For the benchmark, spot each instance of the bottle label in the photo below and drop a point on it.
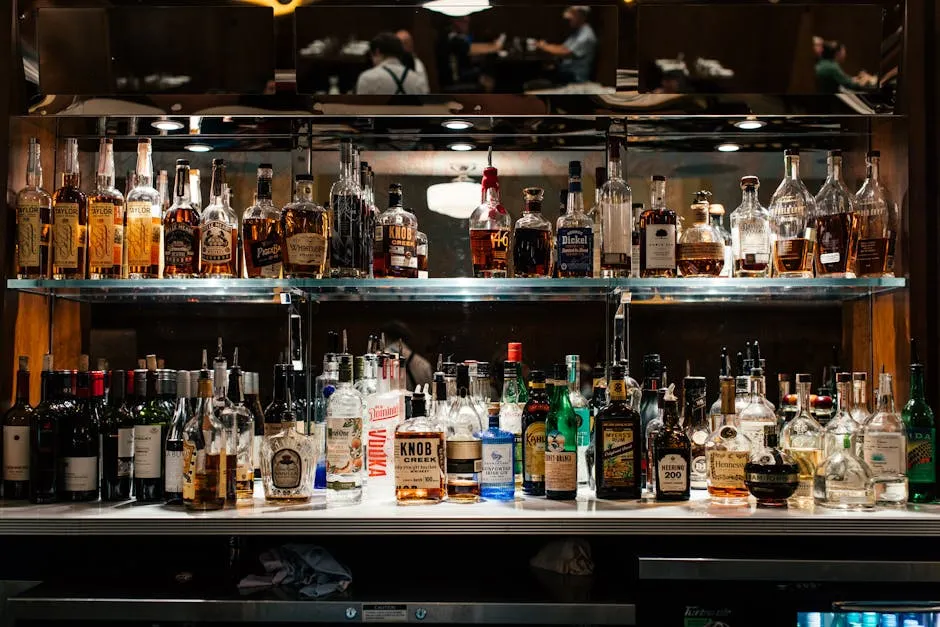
(29, 234)
(701, 250)
(699, 469)
(561, 471)
(884, 453)
(584, 426)
(286, 469)
(400, 248)
(180, 246)
(672, 471)
(921, 454)
(618, 390)
(15, 453)
(576, 250)
(464, 456)
(873, 255)
(419, 463)
(534, 454)
(81, 474)
(68, 235)
(216, 242)
(343, 446)
(101, 235)
(148, 451)
(826, 258)
(618, 454)
(174, 472)
(726, 468)
(383, 420)
(189, 470)
(635, 260)
(125, 452)
(497, 464)
(661, 246)
(138, 236)
(306, 249)
(266, 253)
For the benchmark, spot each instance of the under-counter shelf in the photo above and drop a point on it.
(652, 291)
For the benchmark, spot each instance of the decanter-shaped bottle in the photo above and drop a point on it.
(532, 238)
(701, 250)
(802, 439)
(842, 424)
(843, 481)
(792, 211)
(727, 451)
(490, 224)
(836, 224)
(756, 419)
(750, 233)
(877, 224)
(772, 476)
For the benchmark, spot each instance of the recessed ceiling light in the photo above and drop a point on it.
(728, 148)
(461, 146)
(749, 125)
(166, 124)
(457, 125)
(198, 147)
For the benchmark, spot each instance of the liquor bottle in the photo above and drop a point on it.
(698, 428)
(921, 437)
(786, 410)
(203, 450)
(181, 238)
(575, 233)
(347, 221)
(510, 416)
(33, 220)
(441, 402)
(69, 220)
(106, 220)
(490, 225)
(218, 229)
(771, 475)
(117, 442)
(44, 437)
(280, 404)
(561, 441)
(344, 451)
(582, 410)
(395, 242)
(750, 233)
(597, 402)
(497, 476)
(673, 462)
(884, 446)
(792, 221)
(724, 370)
(79, 447)
(253, 403)
(261, 230)
(305, 232)
(842, 424)
(803, 439)
(600, 179)
(514, 353)
(385, 411)
(16, 424)
(638, 209)
(716, 214)
(727, 451)
(652, 382)
(142, 202)
(653, 427)
(756, 417)
(701, 249)
(534, 415)
(173, 459)
(150, 432)
(617, 472)
(843, 481)
(370, 212)
(195, 190)
(221, 410)
(288, 459)
(463, 449)
(617, 222)
(877, 224)
(658, 234)
(836, 224)
(532, 239)
(421, 251)
(239, 415)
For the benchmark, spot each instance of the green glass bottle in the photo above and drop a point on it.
(561, 441)
(921, 437)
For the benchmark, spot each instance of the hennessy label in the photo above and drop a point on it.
(67, 234)
(29, 234)
(216, 242)
(101, 234)
(726, 468)
(138, 236)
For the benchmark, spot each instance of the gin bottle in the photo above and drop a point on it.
(143, 201)
(33, 221)
(750, 233)
(836, 224)
(792, 214)
(615, 200)
(497, 475)
(884, 446)
(877, 224)
(921, 437)
(658, 234)
(344, 452)
(490, 225)
(218, 231)
(803, 439)
(510, 416)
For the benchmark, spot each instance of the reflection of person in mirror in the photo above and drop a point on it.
(393, 72)
(408, 43)
(578, 51)
(459, 57)
(418, 370)
(830, 77)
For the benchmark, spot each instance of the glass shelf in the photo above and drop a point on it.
(637, 291)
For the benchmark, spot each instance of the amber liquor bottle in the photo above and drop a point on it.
(143, 202)
(489, 231)
(305, 232)
(532, 239)
(395, 244)
(261, 231)
(836, 224)
(69, 220)
(181, 230)
(33, 220)
(106, 220)
(658, 234)
(218, 231)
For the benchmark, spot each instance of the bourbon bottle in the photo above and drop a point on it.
(836, 224)
(305, 232)
(261, 231)
(181, 230)
(878, 224)
(395, 241)
(658, 234)
(69, 220)
(218, 231)
(792, 208)
(106, 220)
(532, 239)
(33, 221)
(143, 202)
(489, 231)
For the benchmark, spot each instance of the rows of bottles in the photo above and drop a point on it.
(73, 235)
(149, 233)
(200, 438)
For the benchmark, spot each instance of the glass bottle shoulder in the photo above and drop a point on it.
(343, 400)
(182, 212)
(575, 219)
(489, 215)
(344, 187)
(144, 193)
(215, 212)
(262, 210)
(301, 207)
(420, 424)
(397, 216)
(701, 233)
(67, 194)
(34, 196)
(533, 222)
(728, 437)
(615, 191)
(884, 422)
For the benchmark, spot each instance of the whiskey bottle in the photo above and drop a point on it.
(261, 230)
(305, 229)
(173, 458)
(533, 436)
(792, 221)
(344, 450)
(69, 220)
(117, 442)
(727, 451)
(106, 220)
(16, 423)
(143, 201)
(575, 231)
(836, 224)
(218, 231)
(395, 242)
(921, 427)
(181, 230)
(617, 436)
(673, 462)
(617, 220)
(497, 476)
(532, 238)
(658, 234)
(884, 446)
(877, 224)
(750, 233)
(561, 441)
(464, 448)
(701, 250)
(771, 475)
(33, 220)
(238, 420)
(803, 439)
(347, 223)
(203, 450)
(716, 214)
(698, 428)
(420, 464)
(490, 225)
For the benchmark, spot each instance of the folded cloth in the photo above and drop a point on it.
(565, 557)
(310, 569)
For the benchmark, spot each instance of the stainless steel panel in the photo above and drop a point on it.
(707, 569)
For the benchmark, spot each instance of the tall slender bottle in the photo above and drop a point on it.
(261, 230)
(79, 449)
(347, 220)
(658, 234)
(33, 220)
(490, 225)
(803, 439)
(117, 442)
(244, 433)
(878, 224)
(44, 437)
(561, 441)
(181, 230)
(218, 229)
(792, 221)
(575, 231)
(16, 438)
(173, 464)
(836, 224)
(600, 179)
(510, 416)
(70, 220)
(582, 410)
(106, 220)
(344, 451)
(142, 202)
(150, 432)
(203, 448)
(921, 437)
(617, 224)
(221, 408)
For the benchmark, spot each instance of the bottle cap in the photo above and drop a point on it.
(182, 384)
(658, 177)
(874, 154)
(757, 372)
(750, 181)
(859, 376)
(560, 372)
(804, 378)
(791, 152)
(418, 404)
(843, 377)
(537, 376)
(515, 351)
(531, 194)
(463, 378)
(835, 153)
(783, 376)
(492, 409)
(24, 363)
(574, 168)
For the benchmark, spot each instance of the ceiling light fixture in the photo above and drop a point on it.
(166, 124)
(461, 146)
(457, 125)
(457, 8)
(750, 124)
(456, 199)
(198, 147)
(727, 148)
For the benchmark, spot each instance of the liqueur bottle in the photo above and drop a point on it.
(792, 221)
(727, 451)
(490, 225)
(836, 224)
(771, 475)
(44, 436)
(33, 221)
(143, 201)
(305, 229)
(533, 436)
(575, 231)
(173, 459)
(69, 220)
(261, 230)
(615, 200)
(16, 424)
(496, 475)
(344, 451)
(203, 449)
(877, 224)
(884, 447)
(218, 231)
(701, 249)
(673, 461)
(463, 449)
(803, 439)
(395, 243)
(117, 442)
(420, 473)
(347, 220)
(181, 238)
(921, 437)
(617, 444)
(750, 233)
(532, 238)
(106, 220)
(561, 441)
(658, 234)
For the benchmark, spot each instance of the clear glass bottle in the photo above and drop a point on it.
(395, 242)
(574, 246)
(842, 424)
(497, 476)
(347, 221)
(510, 416)
(173, 457)
(771, 475)
(464, 448)
(195, 189)
(582, 410)
(836, 224)
(532, 238)
(673, 459)
(716, 214)
(370, 210)
(305, 229)
(142, 202)
(657, 228)
(561, 441)
(385, 410)
(860, 398)
(239, 415)
(792, 222)
(615, 200)
(756, 418)
(69, 220)
(638, 210)
(33, 220)
(884, 447)
(877, 224)
(844, 481)
(701, 250)
(803, 439)
(420, 473)
(698, 428)
(653, 428)
(750, 233)
(203, 448)
(727, 452)
(288, 459)
(344, 450)
(181, 230)
(421, 251)
(218, 230)
(106, 220)
(261, 230)
(490, 225)
(921, 437)
(600, 179)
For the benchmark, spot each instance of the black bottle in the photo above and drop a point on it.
(117, 442)
(673, 456)
(533, 436)
(78, 469)
(44, 440)
(617, 438)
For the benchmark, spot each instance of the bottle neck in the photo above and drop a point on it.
(844, 396)
(218, 185)
(614, 168)
(783, 390)
(303, 191)
(574, 378)
(105, 175)
(886, 394)
(22, 387)
(835, 168)
(874, 168)
(575, 203)
(144, 166)
(756, 385)
(491, 195)
(264, 188)
(346, 162)
(791, 164)
(917, 382)
(802, 397)
(749, 196)
(700, 213)
(181, 185)
(533, 206)
(510, 389)
(71, 175)
(235, 392)
(658, 195)
(34, 166)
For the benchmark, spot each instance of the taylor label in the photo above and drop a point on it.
(497, 464)
(661, 246)
(534, 452)
(343, 449)
(306, 249)
(618, 455)
(419, 463)
(67, 234)
(726, 468)
(139, 233)
(180, 246)
(126, 452)
(672, 472)
(286, 469)
(148, 451)
(101, 234)
(81, 474)
(16, 453)
(29, 234)
(216, 242)
(576, 250)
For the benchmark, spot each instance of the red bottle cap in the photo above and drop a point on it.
(515, 352)
(97, 383)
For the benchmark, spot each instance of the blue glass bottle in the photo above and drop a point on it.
(496, 480)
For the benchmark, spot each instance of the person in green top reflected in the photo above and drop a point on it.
(829, 73)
